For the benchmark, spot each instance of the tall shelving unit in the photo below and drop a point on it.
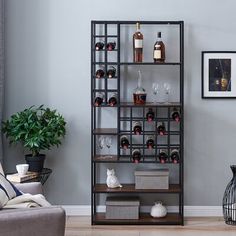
(98, 188)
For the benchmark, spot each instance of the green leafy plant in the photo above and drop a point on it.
(36, 128)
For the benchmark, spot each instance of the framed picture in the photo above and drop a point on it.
(219, 74)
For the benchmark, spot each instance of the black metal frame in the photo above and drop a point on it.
(118, 132)
(202, 64)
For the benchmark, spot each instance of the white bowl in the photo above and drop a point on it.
(22, 168)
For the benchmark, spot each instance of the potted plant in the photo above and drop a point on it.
(37, 129)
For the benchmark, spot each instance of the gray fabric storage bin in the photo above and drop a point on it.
(152, 179)
(122, 208)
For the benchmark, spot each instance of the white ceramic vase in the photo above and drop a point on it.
(158, 210)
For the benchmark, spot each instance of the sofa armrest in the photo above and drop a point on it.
(33, 187)
(46, 221)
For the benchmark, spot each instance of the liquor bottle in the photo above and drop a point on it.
(175, 115)
(139, 95)
(137, 45)
(113, 100)
(111, 46)
(150, 142)
(99, 99)
(159, 50)
(100, 73)
(111, 72)
(137, 128)
(174, 155)
(150, 115)
(163, 156)
(136, 156)
(161, 129)
(99, 46)
(124, 141)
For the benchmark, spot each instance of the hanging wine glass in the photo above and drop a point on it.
(166, 92)
(109, 144)
(155, 90)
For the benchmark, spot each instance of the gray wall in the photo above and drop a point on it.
(48, 55)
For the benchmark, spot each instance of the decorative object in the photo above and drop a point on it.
(158, 210)
(22, 169)
(152, 179)
(229, 200)
(37, 129)
(112, 180)
(218, 74)
(125, 208)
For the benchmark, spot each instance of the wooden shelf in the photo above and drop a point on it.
(105, 131)
(144, 219)
(151, 104)
(130, 188)
(106, 158)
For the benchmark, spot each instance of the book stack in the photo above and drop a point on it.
(22, 178)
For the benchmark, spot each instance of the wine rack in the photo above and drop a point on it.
(97, 189)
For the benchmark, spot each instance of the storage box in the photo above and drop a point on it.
(122, 208)
(152, 179)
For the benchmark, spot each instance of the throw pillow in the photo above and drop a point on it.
(7, 191)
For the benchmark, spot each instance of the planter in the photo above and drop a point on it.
(35, 162)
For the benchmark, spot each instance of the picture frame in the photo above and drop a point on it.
(219, 74)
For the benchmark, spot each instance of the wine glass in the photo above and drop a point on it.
(155, 89)
(101, 142)
(109, 144)
(166, 92)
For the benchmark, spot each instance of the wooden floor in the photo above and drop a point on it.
(204, 226)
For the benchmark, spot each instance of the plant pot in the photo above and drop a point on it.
(35, 162)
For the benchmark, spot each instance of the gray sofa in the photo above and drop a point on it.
(44, 221)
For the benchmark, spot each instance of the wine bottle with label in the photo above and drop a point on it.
(100, 73)
(161, 129)
(150, 116)
(111, 46)
(113, 100)
(99, 99)
(111, 72)
(138, 45)
(137, 128)
(150, 142)
(175, 115)
(124, 142)
(139, 95)
(99, 46)
(159, 49)
(136, 156)
(163, 157)
(174, 156)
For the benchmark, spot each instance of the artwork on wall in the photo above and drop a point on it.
(218, 74)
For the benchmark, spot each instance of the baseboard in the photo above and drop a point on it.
(189, 211)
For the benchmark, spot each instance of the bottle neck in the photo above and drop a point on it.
(233, 168)
(139, 79)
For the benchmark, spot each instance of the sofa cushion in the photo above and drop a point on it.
(7, 191)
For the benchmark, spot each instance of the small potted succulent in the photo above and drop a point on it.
(37, 129)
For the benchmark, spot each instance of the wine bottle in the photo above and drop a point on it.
(174, 155)
(137, 45)
(99, 99)
(136, 156)
(113, 100)
(111, 46)
(137, 128)
(161, 129)
(99, 46)
(163, 156)
(124, 141)
(150, 115)
(159, 49)
(139, 95)
(111, 72)
(150, 142)
(175, 115)
(100, 73)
